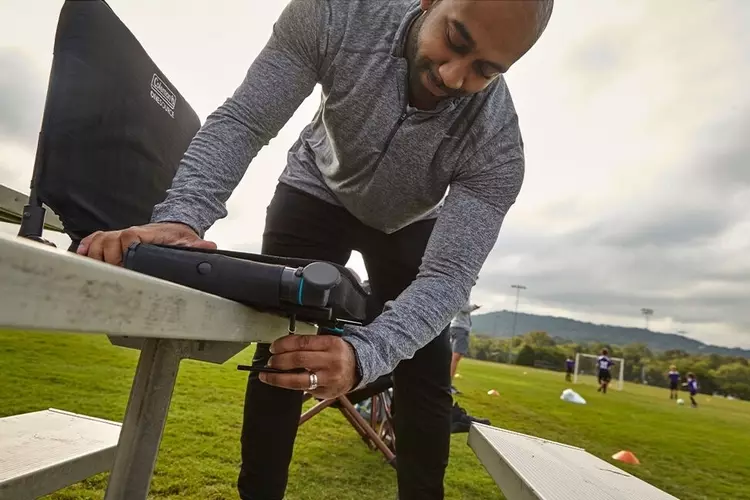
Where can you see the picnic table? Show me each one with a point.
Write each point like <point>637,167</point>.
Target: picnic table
<point>49,290</point>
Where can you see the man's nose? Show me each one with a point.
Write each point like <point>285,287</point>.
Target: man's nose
<point>453,74</point>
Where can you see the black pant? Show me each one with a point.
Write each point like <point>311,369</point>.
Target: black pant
<point>299,225</point>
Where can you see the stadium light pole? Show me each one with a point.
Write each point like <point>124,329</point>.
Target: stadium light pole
<point>647,313</point>
<point>515,314</point>
<point>515,318</point>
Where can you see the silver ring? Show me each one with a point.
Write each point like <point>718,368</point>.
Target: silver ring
<point>313,382</point>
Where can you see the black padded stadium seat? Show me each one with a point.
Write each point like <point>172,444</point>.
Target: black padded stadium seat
<point>113,131</point>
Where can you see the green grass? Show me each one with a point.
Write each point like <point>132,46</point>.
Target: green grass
<point>692,454</point>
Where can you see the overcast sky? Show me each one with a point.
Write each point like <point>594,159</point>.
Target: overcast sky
<point>636,120</point>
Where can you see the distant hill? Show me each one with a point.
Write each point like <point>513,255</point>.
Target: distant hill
<point>500,324</point>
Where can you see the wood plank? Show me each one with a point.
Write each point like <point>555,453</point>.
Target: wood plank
<point>11,209</point>
<point>48,289</point>
<point>44,451</point>
<point>529,468</point>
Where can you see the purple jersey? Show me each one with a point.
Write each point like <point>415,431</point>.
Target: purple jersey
<point>569,363</point>
<point>603,362</point>
<point>693,387</point>
<point>674,377</point>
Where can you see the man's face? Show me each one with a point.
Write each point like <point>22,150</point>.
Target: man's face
<point>461,46</point>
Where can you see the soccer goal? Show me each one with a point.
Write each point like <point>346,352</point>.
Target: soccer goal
<point>586,369</point>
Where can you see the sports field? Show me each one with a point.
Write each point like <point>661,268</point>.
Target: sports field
<point>691,453</point>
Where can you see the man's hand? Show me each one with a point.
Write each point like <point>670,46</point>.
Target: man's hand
<point>329,357</point>
<point>109,246</point>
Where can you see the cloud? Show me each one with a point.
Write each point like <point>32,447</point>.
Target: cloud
<point>662,229</point>
<point>638,180</point>
<point>21,94</point>
<point>725,163</point>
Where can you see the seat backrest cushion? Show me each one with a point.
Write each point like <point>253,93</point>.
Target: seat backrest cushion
<point>114,127</point>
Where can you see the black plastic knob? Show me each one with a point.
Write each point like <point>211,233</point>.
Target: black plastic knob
<point>321,275</point>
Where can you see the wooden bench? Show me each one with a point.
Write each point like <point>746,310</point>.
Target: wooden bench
<point>44,451</point>
<point>11,209</point>
<point>530,468</point>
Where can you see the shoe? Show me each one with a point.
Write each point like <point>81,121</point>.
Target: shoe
<point>461,421</point>
<point>454,390</point>
<point>459,427</point>
<point>484,421</point>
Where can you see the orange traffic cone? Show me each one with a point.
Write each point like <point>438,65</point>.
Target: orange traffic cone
<point>626,456</point>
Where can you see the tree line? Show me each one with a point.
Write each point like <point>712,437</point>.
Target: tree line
<point>716,374</point>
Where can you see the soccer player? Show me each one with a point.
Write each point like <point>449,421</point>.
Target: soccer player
<point>604,363</point>
<point>459,331</point>
<point>569,364</point>
<point>674,382</point>
<point>692,386</point>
